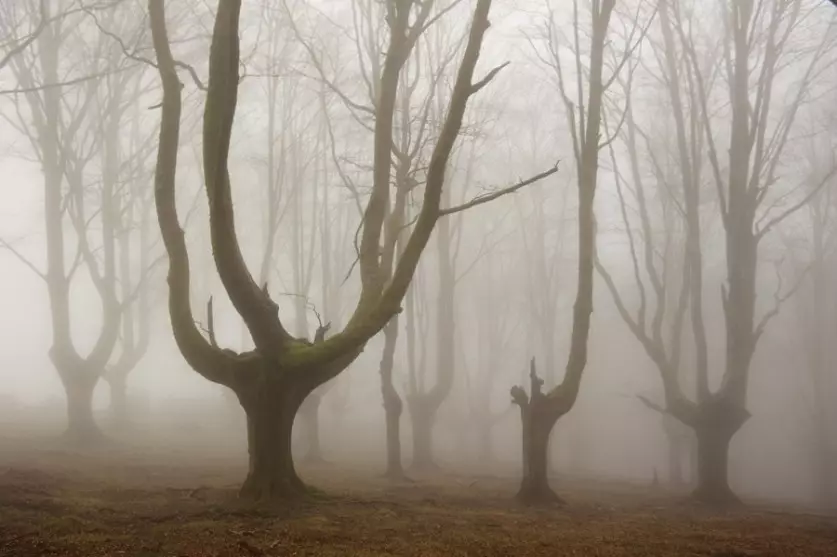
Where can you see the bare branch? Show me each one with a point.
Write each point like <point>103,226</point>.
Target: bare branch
<point>488,78</point>
<point>485,198</point>
<point>796,206</point>
<point>32,267</point>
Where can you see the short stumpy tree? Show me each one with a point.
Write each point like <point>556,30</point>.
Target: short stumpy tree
<point>272,380</point>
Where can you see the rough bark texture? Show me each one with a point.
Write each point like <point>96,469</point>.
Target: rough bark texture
<point>271,409</point>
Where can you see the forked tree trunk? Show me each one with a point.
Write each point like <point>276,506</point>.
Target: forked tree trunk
<point>81,425</point>
<point>270,411</point>
<point>310,414</point>
<point>537,429</point>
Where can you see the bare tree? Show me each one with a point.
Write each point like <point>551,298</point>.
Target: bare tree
<point>815,322</point>
<point>700,83</point>
<point>540,411</point>
<point>66,139</point>
<point>272,380</point>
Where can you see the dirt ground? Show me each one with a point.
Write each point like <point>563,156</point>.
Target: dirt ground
<point>149,504</point>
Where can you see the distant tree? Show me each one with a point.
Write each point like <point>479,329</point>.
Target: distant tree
<point>813,256</point>
<point>273,379</point>
<point>701,84</point>
<point>67,139</point>
<point>541,410</point>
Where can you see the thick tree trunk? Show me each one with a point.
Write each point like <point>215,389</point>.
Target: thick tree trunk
<point>717,421</point>
<point>270,419</point>
<point>310,414</point>
<point>81,426</point>
<point>713,464</point>
<point>537,428</point>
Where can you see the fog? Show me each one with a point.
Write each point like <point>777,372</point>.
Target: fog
<point>713,143</point>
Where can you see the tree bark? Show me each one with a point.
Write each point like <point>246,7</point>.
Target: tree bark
<point>713,463</point>
<point>717,422</point>
<point>422,417</point>
<point>82,429</point>
<point>310,414</point>
<point>537,428</point>
<point>270,413</point>
<point>393,406</point>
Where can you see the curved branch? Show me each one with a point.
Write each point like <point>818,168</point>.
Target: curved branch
<point>198,352</point>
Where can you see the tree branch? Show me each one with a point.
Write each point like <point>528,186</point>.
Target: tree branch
<point>485,198</point>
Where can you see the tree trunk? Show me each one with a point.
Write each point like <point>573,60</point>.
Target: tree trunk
<point>422,417</point>
<point>310,414</point>
<point>270,419</point>
<point>534,489</point>
<point>119,412</point>
<point>393,408</point>
<point>81,426</point>
<point>675,460</point>
<point>713,463</point>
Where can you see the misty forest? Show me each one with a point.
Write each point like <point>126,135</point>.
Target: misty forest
<point>418,277</point>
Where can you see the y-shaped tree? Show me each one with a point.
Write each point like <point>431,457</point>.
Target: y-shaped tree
<point>272,380</point>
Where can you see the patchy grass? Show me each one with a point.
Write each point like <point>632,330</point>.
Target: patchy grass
<point>145,506</point>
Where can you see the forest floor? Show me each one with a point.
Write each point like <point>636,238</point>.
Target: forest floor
<point>146,504</point>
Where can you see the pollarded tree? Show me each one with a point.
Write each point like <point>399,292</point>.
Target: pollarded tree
<point>540,411</point>
<point>273,379</point>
